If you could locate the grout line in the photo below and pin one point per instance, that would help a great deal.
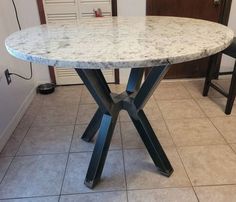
(160, 188)
(218, 131)
(60, 153)
(215, 185)
(123, 157)
(34, 197)
(92, 192)
(122, 190)
(48, 154)
(68, 155)
(230, 145)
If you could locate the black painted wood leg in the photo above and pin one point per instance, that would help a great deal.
(135, 80)
(152, 144)
(96, 84)
(100, 150)
(142, 124)
(210, 74)
(133, 100)
(93, 126)
(232, 93)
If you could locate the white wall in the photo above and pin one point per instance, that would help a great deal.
(131, 7)
(15, 97)
(29, 16)
(228, 62)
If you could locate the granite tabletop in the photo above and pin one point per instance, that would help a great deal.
(120, 42)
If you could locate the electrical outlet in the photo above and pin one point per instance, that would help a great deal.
(8, 76)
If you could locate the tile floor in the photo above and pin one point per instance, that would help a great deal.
(45, 159)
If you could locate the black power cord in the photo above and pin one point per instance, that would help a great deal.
(31, 69)
(25, 78)
(16, 13)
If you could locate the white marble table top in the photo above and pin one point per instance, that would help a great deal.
(120, 42)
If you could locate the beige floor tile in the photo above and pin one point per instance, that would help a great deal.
(189, 132)
(227, 127)
(214, 107)
(124, 116)
(152, 111)
(50, 116)
(163, 195)
(216, 193)
(195, 88)
(86, 97)
(132, 140)
(112, 176)
(46, 140)
(120, 88)
(14, 142)
(180, 109)
(151, 101)
(171, 91)
(98, 197)
(26, 121)
(85, 113)
(117, 88)
(63, 95)
(112, 87)
(224, 83)
(169, 83)
(141, 172)
(209, 165)
(30, 176)
(79, 145)
(36, 199)
(4, 164)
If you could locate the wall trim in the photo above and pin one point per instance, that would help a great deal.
(6, 134)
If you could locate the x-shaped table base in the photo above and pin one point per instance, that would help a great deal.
(132, 100)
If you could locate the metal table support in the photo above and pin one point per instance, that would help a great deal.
(132, 100)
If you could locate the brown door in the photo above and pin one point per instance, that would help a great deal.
(213, 10)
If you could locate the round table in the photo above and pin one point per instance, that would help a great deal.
(120, 42)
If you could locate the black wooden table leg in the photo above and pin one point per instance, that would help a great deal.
(93, 126)
(152, 144)
(210, 74)
(141, 122)
(135, 80)
(100, 150)
(133, 100)
(97, 87)
(232, 93)
(153, 79)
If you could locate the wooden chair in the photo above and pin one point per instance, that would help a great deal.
(230, 51)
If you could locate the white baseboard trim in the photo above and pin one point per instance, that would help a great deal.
(16, 119)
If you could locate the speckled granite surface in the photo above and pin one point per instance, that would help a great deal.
(120, 42)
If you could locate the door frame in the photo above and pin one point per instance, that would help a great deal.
(43, 21)
(224, 19)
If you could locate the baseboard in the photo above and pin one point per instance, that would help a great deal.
(16, 119)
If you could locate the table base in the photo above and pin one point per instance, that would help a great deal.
(132, 100)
